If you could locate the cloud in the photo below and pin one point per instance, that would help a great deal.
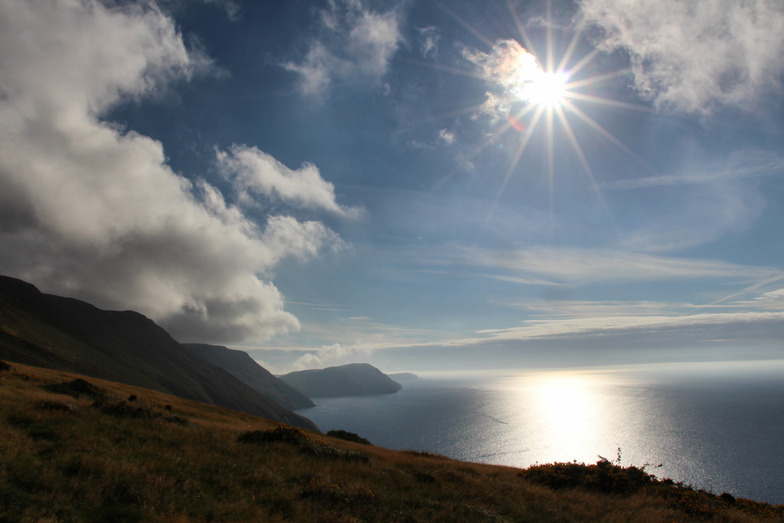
(511, 68)
(231, 7)
(710, 195)
(357, 42)
(90, 210)
(748, 163)
(639, 325)
(583, 266)
(253, 172)
(329, 356)
(447, 137)
(695, 55)
(428, 41)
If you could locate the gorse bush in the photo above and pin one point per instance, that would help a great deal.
(603, 477)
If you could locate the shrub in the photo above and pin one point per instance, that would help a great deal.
(302, 441)
(77, 388)
(348, 436)
(281, 433)
(601, 477)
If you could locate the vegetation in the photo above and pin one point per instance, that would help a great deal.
(76, 449)
(347, 436)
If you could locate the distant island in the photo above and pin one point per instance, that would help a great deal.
(404, 376)
(354, 379)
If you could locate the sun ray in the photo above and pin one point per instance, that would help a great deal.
(465, 24)
(550, 51)
(581, 155)
(609, 102)
(608, 135)
(550, 156)
(513, 164)
(597, 79)
(528, 44)
(569, 51)
(532, 92)
(583, 62)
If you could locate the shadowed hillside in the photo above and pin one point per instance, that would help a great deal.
(68, 334)
(354, 379)
(243, 367)
(83, 449)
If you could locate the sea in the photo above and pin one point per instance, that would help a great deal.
(717, 426)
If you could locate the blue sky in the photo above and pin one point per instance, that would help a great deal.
(421, 185)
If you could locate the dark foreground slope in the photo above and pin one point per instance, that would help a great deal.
(244, 368)
(68, 334)
(354, 379)
(82, 451)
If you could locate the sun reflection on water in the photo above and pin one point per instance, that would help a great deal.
(567, 405)
(567, 416)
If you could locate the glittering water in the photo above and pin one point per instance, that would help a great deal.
(718, 426)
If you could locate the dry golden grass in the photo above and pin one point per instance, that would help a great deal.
(100, 457)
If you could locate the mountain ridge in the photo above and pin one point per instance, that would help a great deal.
(125, 346)
(243, 367)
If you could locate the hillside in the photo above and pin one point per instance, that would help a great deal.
(354, 379)
(245, 368)
(68, 334)
(84, 449)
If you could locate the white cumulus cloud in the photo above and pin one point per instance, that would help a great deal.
(93, 211)
(692, 55)
(254, 172)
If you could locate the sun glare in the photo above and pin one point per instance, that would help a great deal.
(538, 92)
(545, 89)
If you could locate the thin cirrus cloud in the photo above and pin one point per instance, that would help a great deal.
(355, 42)
(747, 163)
(722, 325)
(90, 210)
(583, 266)
(694, 56)
(716, 194)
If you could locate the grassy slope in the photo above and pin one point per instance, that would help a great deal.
(67, 458)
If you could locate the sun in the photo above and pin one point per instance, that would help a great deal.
(538, 88)
(543, 89)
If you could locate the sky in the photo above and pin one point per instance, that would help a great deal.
(417, 184)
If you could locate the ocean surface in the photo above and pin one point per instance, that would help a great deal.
(716, 426)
